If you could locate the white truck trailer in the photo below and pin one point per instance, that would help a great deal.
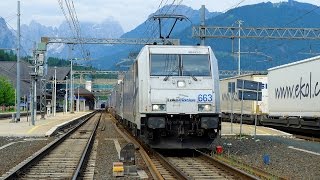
(294, 94)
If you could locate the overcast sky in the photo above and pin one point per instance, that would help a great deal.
(129, 13)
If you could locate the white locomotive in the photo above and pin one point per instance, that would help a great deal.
(170, 97)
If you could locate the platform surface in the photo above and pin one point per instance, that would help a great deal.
(249, 130)
(41, 127)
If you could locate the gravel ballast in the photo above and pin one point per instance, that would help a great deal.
(284, 161)
(22, 148)
(107, 153)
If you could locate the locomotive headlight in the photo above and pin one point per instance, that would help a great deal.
(158, 107)
(204, 107)
(181, 84)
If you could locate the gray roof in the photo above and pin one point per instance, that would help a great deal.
(9, 70)
(61, 72)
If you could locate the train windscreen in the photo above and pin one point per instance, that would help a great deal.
(179, 65)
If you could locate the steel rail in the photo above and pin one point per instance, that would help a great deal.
(167, 164)
(128, 137)
(146, 152)
(307, 138)
(239, 173)
(16, 171)
(85, 151)
(255, 173)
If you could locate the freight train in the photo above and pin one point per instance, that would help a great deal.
(170, 97)
(290, 97)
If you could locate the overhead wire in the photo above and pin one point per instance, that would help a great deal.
(66, 16)
(151, 25)
(76, 25)
(157, 30)
(302, 16)
(234, 6)
(84, 51)
(292, 21)
(73, 23)
(295, 20)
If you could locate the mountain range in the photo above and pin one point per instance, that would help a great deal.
(257, 54)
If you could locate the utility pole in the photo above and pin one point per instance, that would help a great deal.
(33, 99)
(18, 65)
(78, 102)
(71, 88)
(71, 80)
(239, 22)
(66, 96)
(202, 20)
(54, 93)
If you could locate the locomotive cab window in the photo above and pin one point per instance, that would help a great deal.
(195, 65)
(179, 65)
(164, 65)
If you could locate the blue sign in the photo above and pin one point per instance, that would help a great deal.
(250, 95)
(249, 85)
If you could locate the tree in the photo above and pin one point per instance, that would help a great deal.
(7, 56)
(7, 94)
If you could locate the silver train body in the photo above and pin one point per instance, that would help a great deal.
(170, 97)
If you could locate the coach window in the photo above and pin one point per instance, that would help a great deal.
(164, 65)
(196, 65)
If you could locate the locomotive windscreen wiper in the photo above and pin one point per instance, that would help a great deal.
(170, 73)
(193, 77)
(190, 74)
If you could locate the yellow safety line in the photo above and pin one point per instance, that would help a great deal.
(32, 129)
(35, 127)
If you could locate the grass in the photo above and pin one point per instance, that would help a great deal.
(233, 161)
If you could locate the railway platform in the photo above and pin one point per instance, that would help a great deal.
(249, 130)
(42, 127)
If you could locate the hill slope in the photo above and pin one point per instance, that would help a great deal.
(257, 54)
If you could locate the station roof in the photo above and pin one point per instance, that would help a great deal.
(9, 69)
(84, 93)
(61, 72)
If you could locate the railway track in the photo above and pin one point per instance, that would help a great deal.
(62, 159)
(197, 167)
(308, 138)
(200, 168)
